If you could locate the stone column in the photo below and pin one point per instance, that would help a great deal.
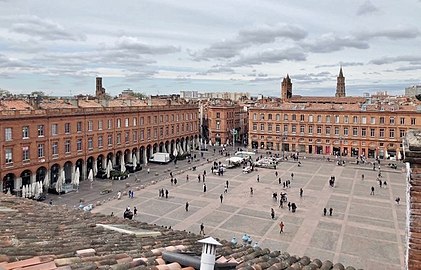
(83, 173)
(412, 158)
(145, 157)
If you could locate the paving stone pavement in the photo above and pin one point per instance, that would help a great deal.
(365, 231)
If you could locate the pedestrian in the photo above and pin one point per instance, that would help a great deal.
(385, 184)
(112, 214)
(279, 180)
(284, 184)
(171, 175)
(204, 172)
(166, 193)
(276, 174)
(398, 200)
(324, 211)
(258, 178)
(293, 207)
(281, 227)
(330, 211)
(198, 178)
(251, 191)
(130, 194)
(225, 190)
(204, 187)
(380, 183)
(272, 213)
(187, 178)
(51, 201)
(289, 206)
(149, 170)
(221, 197)
(202, 229)
(175, 181)
(172, 181)
(292, 176)
(119, 195)
(372, 191)
(362, 177)
(227, 183)
(135, 211)
(187, 206)
(203, 178)
(281, 203)
(301, 192)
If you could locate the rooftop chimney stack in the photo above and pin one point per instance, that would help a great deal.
(207, 260)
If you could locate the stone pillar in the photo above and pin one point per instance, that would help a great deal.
(83, 173)
(18, 183)
(412, 158)
(145, 158)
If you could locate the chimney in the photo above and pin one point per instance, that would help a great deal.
(207, 260)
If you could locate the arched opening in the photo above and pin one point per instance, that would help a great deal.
(41, 174)
(155, 148)
(148, 151)
(89, 165)
(54, 173)
(100, 163)
(26, 177)
(161, 147)
(79, 164)
(68, 174)
(117, 160)
(9, 183)
(141, 155)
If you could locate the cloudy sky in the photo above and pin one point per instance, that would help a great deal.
(164, 46)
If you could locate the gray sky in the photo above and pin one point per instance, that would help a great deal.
(164, 46)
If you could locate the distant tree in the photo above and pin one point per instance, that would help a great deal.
(4, 93)
(139, 95)
(38, 93)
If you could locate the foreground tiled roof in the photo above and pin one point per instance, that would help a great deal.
(37, 236)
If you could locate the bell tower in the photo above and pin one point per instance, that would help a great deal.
(340, 85)
(286, 89)
(100, 91)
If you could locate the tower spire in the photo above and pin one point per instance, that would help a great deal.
(340, 84)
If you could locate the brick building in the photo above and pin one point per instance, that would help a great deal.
(373, 126)
(45, 139)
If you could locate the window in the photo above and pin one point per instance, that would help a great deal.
(134, 121)
(285, 128)
(118, 123)
(79, 145)
(126, 122)
(8, 155)
(337, 119)
(25, 153)
(8, 134)
(54, 149)
(270, 116)
(412, 121)
(41, 147)
(392, 120)
(372, 120)
(155, 119)
(126, 137)
(90, 143)
(25, 132)
(40, 130)
(278, 117)
(99, 124)
(302, 117)
(355, 119)
(392, 133)
(254, 127)
(142, 134)
(402, 120)
(346, 119)
(134, 136)
(278, 128)
(319, 119)
(218, 115)
(285, 117)
(302, 129)
(310, 129)
(110, 124)
(90, 125)
(363, 132)
(354, 131)
(161, 118)
(100, 142)
(293, 117)
(110, 140)
(269, 127)
(67, 128)
(363, 120)
(155, 132)
(381, 133)
(54, 129)
(319, 130)
(381, 120)
(262, 116)
(67, 146)
(262, 127)
(346, 131)
(327, 130)
(310, 118)
(401, 133)
(118, 138)
(327, 118)
(336, 130)
(218, 124)
(372, 132)
(294, 129)
(79, 126)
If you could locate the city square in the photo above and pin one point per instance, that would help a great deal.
(364, 231)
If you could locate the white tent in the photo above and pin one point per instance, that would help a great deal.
(109, 168)
(235, 159)
(28, 191)
(36, 189)
(46, 181)
(59, 183)
(175, 153)
(24, 191)
(76, 178)
(40, 187)
(95, 168)
(33, 189)
(134, 160)
(91, 175)
(122, 164)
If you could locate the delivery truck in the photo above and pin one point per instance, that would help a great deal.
(161, 158)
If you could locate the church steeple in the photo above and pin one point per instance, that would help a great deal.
(286, 89)
(340, 84)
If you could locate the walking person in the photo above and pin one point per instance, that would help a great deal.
(135, 211)
(149, 170)
(292, 176)
(198, 178)
(187, 178)
(289, 206)
(397, 200)
(258, 179)
(301, 192)
(362, 177)
(227, 183)
(281, 203)
(221, 197)
(324, 211)
(202, 229)
(281, 227)
(272, 213)
(166, 193)
(330, 211)
(187, 206)
(251, 191)
(372, 191)
(204, 187)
